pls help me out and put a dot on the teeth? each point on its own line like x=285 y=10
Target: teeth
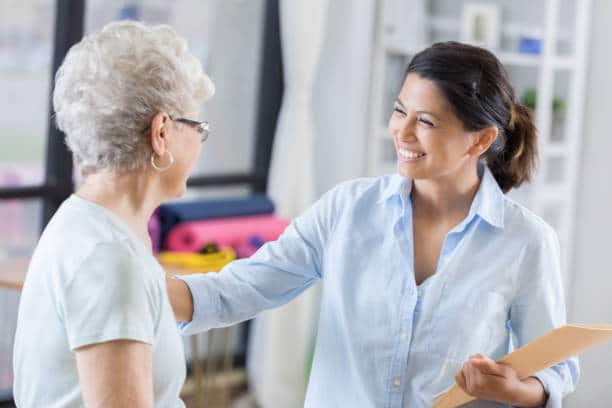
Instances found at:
x=410 y=155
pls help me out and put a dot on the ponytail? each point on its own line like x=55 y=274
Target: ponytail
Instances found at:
x=515 y=162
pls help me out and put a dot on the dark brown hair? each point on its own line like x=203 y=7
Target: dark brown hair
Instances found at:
x=476 y=86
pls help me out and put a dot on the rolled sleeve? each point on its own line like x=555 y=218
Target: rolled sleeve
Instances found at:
x=556 y=382
x=205 y=304
x=539 y=307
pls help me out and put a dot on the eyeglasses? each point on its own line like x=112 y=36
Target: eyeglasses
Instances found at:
x=203 y=128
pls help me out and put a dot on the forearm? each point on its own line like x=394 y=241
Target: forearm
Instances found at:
x=277 y=273
x=180 y=299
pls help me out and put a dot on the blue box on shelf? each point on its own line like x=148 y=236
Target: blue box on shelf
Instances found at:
x=530 y=45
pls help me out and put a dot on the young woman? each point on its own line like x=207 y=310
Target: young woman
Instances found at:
x=428 y=275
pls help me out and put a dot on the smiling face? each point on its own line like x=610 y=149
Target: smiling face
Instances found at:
x=430 y=141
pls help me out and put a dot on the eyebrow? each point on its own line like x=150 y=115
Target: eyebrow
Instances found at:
x=399 y=102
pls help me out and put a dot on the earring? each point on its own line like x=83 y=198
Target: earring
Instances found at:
x=156 y=167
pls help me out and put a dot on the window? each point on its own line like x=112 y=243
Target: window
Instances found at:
x=238 y=43
x=26 y=40
x=226 y=37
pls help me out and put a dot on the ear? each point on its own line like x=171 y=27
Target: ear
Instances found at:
x=483 y=139
x=159 y=136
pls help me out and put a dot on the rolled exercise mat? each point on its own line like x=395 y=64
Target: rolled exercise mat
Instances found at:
x=175 y=213
x=191 y=262
x=234 y=232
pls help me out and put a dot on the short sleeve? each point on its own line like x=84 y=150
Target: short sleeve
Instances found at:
x=109 y=296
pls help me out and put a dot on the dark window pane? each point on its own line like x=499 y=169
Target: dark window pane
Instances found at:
x=26 y=41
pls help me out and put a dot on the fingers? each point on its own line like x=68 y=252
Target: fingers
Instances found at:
x=483 y=378
x=487 y=366
x=472 y=381
x=475 y=380
x=460 y=379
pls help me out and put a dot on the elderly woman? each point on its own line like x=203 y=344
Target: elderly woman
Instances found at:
x=95 y=325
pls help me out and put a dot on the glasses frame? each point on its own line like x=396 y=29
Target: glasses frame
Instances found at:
x=203 y=128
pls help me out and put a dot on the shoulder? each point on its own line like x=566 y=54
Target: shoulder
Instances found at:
x=80 y=246
x=540 y=255
x=519 y=220
x=359 y=188
x=74 y=231
x=341 y=201
x=108 y=265
x=343 y=197
x=111 y=275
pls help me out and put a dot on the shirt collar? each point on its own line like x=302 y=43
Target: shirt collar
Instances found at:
x=397 y=186
x=488 y=203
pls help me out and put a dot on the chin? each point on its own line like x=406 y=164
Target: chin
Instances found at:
x=419 y=170
x=407 y=172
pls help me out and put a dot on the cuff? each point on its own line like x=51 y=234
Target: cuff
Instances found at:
x=206 y=310
x=552 y=387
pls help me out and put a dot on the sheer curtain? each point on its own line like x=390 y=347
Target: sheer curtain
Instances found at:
x=282 y=338
x=320 y=141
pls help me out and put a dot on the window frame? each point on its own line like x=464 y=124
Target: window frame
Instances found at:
x=58 y=181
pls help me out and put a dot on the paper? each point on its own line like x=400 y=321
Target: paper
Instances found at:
x=546 y=351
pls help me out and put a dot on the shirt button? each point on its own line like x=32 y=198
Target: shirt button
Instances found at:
x=404 y=337
x=396 y=382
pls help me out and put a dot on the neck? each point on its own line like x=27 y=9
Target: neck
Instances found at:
x=446 y=196
x=131 y=195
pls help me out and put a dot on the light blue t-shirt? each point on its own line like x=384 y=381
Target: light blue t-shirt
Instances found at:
x=383 y=340
x=91 y=281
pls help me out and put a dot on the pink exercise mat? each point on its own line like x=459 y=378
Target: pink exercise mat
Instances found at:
x=244 y=234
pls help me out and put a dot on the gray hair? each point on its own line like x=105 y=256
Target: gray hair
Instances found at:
x=113 y=82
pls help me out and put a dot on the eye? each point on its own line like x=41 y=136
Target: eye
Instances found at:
x=426 y=122
x=399 y=110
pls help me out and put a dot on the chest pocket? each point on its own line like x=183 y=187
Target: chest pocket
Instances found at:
x=474 y=326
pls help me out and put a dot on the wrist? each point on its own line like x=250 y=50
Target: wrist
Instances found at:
x=528 y=393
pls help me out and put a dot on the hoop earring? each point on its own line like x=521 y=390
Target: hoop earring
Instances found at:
x=156 y=167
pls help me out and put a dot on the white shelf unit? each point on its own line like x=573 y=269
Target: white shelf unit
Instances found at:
x=557 y=71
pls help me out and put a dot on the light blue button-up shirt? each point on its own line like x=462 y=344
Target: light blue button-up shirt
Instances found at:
x=382 y=340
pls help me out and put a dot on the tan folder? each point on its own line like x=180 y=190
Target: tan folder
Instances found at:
x=546 y=351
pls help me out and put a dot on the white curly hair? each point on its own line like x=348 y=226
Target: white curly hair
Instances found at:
x=113 y=82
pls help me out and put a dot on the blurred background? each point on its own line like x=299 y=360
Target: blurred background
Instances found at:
x=304 y=91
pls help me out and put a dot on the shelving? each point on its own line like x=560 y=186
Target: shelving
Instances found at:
x=556 y=73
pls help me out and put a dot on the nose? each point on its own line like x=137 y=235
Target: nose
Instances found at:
x=407 y=129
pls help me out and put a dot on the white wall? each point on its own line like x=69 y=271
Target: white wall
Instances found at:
x=591 y=295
